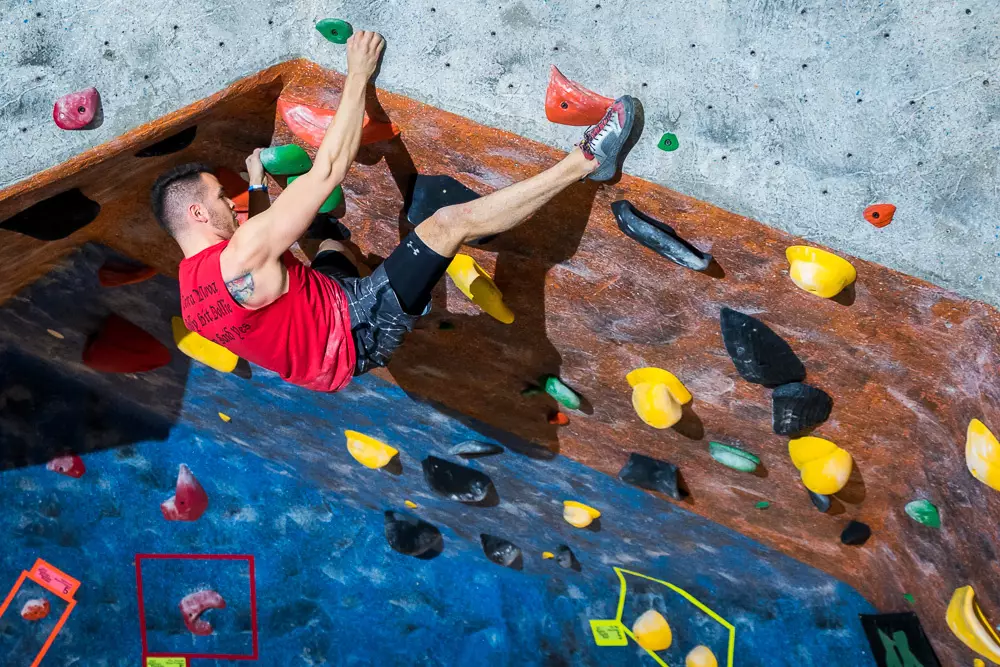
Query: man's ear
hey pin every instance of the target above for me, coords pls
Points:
(198, 212)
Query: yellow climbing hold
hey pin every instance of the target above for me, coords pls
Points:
(224, 417)
(819, 272)
(409, 503)
(201, 349)
(701, 656)
(652, 631)
(368, 451)
(476, 284)
(982, 454)
(657, 396)
(966, 620)
(976, 662)
(825, 467)
(578, 514)
(548, 555)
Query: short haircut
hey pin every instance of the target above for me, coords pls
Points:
(173, 190)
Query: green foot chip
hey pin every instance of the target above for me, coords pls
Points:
(332, 202)
(335, 30)
(285, 160)
(733, 457)
(668, 142)
(762, 505)
(923, 511)
(558, 390)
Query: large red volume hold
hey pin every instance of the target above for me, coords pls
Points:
(75, 111)
(122, 347)
(309, 124)
(569, 103)
(117, 274)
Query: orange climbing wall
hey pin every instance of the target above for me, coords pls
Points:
(908, 364)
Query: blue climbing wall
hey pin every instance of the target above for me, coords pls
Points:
(283, 489)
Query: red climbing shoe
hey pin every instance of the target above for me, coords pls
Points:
(608, 140)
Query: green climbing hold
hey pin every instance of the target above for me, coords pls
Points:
(558, 390)
(332, 202)
(762, 505)
(733, 457)
(532, 390)
(668, 142)
(285, 160)
(445, 325)
(335, 30)
(908, 597)
(923, 511)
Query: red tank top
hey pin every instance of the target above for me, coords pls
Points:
(304, 336)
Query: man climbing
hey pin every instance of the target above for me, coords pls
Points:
(317, 326)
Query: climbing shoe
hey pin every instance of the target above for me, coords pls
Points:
(608, 140)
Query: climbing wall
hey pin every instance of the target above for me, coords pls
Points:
(906, 364)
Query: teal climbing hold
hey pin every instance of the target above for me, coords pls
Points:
(335, 30)
(733, 457)
(923, 511)
(285, 160)
(668, 142)
(558, 390)
(532, 390)
(332, 202)
(762, 505)
(908, 598)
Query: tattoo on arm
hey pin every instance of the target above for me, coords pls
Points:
(241, 288)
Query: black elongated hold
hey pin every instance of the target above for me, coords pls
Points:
(796, 407)
(658, 237)
(856, 533)
(760, 355)
(502, 552)
(474, 448)
(410, 535)
(821, 502)
(430, 193)
(456, 482)
(565, 557)
(54, 218)
(652, 474)
(172, 144)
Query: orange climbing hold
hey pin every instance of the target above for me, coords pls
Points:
(558, 419)
(880, 215)
(569, 103)
(122, 347)
(309, 124)
(117, 274)
(235, 188)
(35, 610)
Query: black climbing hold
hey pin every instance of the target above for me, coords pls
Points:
(474, 448)
(445, 325)
(856, 533)
(796, 407)
(565, 557)
(412, 536)
(457, 482)
(502, 552)
(430, 193)
(171, 144)
(658, 237)
(821, 502)
(652, 474)
(760, 355)
(54, 218)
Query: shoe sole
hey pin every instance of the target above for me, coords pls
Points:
(610, 167)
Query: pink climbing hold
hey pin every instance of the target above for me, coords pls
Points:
(35, 610)
(75, 111)
(70, 465)
(189, 501)
(194, 605)
(309, 123)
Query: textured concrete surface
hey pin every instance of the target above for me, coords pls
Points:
(795, 113)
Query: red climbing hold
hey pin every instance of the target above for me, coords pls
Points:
(189, 501)
(880, 215)
(309, 124)
(235, 187)
(76, 110)
(122, 347)
(569, 103)
(194, 605)
(116, 274)
(558, 419)
(70, 465)
(35, 610)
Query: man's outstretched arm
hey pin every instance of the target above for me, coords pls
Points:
(266, 236)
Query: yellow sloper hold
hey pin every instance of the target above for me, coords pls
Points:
(368, 451)
(657, 396)
(819, 272)
(982, 454)
(476, 284)
(578, 514)
(409, 503)
(966, 620)
(976, 662)
(825, 467)
(201, 349)
(548, 555)
(224, 417)
(701, 656)
(652, 631)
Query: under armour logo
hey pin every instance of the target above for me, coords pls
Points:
(416, 251)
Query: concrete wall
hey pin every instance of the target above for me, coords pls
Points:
(817, 109)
